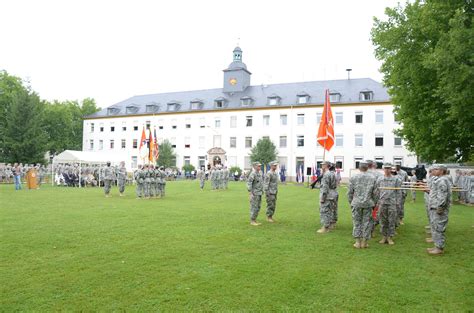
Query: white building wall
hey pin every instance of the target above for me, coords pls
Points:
(203, 124)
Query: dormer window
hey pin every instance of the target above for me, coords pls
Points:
(246, 101)
(334, 96)
(152, 108)
(113, 111)
(366, 95)
(131, 109)
(220, 103)
(274, 99)
(173, 106)
(303, 98)
(196, 104)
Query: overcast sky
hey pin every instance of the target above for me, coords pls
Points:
(112, 50)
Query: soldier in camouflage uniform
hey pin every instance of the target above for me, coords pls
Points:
(152, 190)
(255, 189)
(387, 203)
(403, 176)
(121, 177)
(270, 187)
(440, 201)
(147, 181)
(163, 181)
(374, 221)
(139, 177)
(201, 175)
(157, 176)
(108, 177)
(361, 196)
(225, 174)
(327, 198)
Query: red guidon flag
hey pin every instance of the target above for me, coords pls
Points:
(326, 126)
(151, 146)
(156, 148)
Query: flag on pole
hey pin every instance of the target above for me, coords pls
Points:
(142, 149)
(151, 145)
(156, 148)
(326, 126)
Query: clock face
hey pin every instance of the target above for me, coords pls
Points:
(233, 81)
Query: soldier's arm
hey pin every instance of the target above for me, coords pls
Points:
(250, 182)
(350, 192)
(324, 190)
(266, 182)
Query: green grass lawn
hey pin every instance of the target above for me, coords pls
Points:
(73, 249)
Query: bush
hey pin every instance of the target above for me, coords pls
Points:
(188, 168)
(234, 169)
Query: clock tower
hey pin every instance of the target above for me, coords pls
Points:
(236, 76)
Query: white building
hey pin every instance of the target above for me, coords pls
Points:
(236, 116)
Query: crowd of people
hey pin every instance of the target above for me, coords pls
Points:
(465, 180)
(16, 173)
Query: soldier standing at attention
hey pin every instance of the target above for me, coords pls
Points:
(139, 176)
(387, 203)
(152, 190)
(413, 181)
(146, 185)
(202, 178)
(361, 196)
(109, 177)
(255, 189)
(327, 197)
(440, 201)
(270, 187)
(403, 176)
(121, 177)
(163, 181)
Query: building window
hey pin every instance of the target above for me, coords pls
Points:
(266, 120)
(112, 144)
(282, 141)
(202, 122)
(233, 121)
(248, 142)
(187, 142)
(302, 99)
(101, 129)
(135, 144)
(339, 140)
(135, 128)
(91, 146)
(112, 128)
(131, 109)
(123, 144)
(173, 106)
(248, 121)
(357, 161)
(201, 161)
(173, 142)
(366, 96)
(378, 160)
(147, 125)
(379, 117)
(359, 140)
(92, 127)
(187, 160)
(233, 142)
(300, 119)
(247, 164)
(318, 117)
(217, 122)
(397, 141)
(219, 104)
(134, 162)
(339, 117)
(396, 119)
(188, 125)
(217, 140)
(160, 127)
(273, 101)
(398, 161)
(196, 104)
(101, 144)
(334, 97)
(202, 141)
(246, 101)
(300, 141)
(339, 161)
(379, 140)
(124, 126)
(283, 119)
(359, 117)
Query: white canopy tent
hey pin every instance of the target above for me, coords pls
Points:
(86, 157)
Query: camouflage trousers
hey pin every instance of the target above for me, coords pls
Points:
(401, 207)
(163, 187)
(271, 204)
(361, 221)
(107, 185)
(140, 190)
(388, 219)
(326, 212)
(201, 183)
(335, 210)
(213, 184)
(152, 191)
(438, 224)
(146, 189)
(255, 203)
(158, 189)
(121, 185)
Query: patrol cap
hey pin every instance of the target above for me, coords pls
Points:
(256, 164)
(369, 161)
(327, 163)
(387, 165)
(364, 164)
(273, 163)
(439, 167)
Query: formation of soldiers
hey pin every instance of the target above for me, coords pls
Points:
(465, 180)
(219, 177)
(7, 172)
(151, 182)
(110, 174)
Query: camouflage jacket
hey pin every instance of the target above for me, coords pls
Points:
(270, 184)
(328, 186)
(108, 173)
(440, 193)
(388, 197)
(362, 191)
(255, 183)
(121, 173)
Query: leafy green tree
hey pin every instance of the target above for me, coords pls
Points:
(188, 168)
(167, 157)
(234, 169)
(427, 55)
(264, 152)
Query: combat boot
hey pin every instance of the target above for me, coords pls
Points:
(436, 251)
(384, 240)
(322, 230)
(429, 240)
(357, 244)
(255, 223)
(270, 219)
(402, 222)
(364, 244)
(390, 241)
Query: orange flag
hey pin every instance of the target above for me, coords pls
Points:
(326, 126)
(142, 149)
